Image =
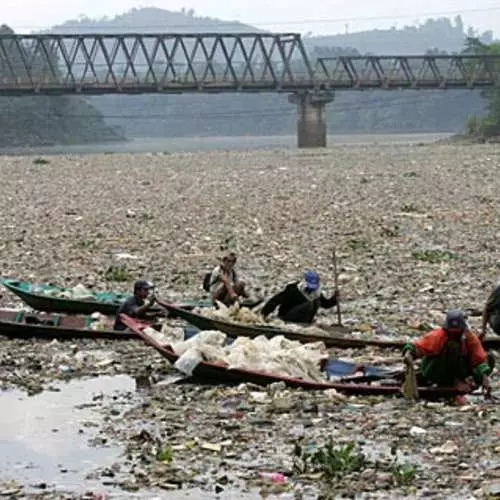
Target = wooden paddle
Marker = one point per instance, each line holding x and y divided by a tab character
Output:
410	386
336	279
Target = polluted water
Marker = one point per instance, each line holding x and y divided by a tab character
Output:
44	439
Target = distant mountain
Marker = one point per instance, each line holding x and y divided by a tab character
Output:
262	114
442	34
153	20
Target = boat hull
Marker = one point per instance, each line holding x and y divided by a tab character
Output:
335	336
209	371
26	325
106	303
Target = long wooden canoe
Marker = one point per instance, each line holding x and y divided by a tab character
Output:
218	372
40	298
335	336
25	325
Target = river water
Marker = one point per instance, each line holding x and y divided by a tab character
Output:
174	144
44	439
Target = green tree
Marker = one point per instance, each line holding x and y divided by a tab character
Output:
489	125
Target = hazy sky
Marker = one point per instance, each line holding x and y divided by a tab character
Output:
318	16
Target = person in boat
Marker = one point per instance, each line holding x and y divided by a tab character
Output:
452	356
136	305
224	283
299	301
491	312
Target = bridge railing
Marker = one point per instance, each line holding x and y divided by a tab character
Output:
415	72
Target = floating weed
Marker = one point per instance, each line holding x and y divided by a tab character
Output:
331	463
145	217
87	244
120	273
409	208
41	161
355	244
329	460
404	474
166	454
434	256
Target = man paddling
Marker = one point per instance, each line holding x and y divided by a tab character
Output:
224	283
299	301
135	306
452	356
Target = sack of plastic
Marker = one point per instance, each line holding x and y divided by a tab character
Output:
167	336
207	337
79	292
188	361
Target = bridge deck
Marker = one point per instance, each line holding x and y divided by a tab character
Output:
217	62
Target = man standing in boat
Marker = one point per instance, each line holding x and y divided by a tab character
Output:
452	356
224	283
136	306
299	301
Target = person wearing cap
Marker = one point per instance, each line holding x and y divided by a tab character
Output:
224	283
491	313
135	306
452	356
299	301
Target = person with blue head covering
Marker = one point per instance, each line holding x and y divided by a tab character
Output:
299	301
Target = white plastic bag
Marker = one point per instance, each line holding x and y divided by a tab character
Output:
188	361
79	292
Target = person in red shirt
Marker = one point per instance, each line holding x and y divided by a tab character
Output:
452	356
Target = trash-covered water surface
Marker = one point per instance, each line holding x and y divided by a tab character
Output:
415	232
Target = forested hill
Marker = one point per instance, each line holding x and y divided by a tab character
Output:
41	120
153	20
440	34
270	114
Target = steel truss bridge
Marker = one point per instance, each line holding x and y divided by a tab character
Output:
93	64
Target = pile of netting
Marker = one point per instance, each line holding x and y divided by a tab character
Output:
277	355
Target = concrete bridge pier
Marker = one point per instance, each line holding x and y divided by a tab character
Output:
311	118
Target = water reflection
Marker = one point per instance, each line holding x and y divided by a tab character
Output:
44	438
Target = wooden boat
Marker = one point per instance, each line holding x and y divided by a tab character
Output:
334	336
107	303
218	372
24	325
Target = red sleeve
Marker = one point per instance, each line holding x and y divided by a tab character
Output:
431	344
475	350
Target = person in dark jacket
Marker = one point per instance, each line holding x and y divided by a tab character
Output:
135	306
491	313
299	301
